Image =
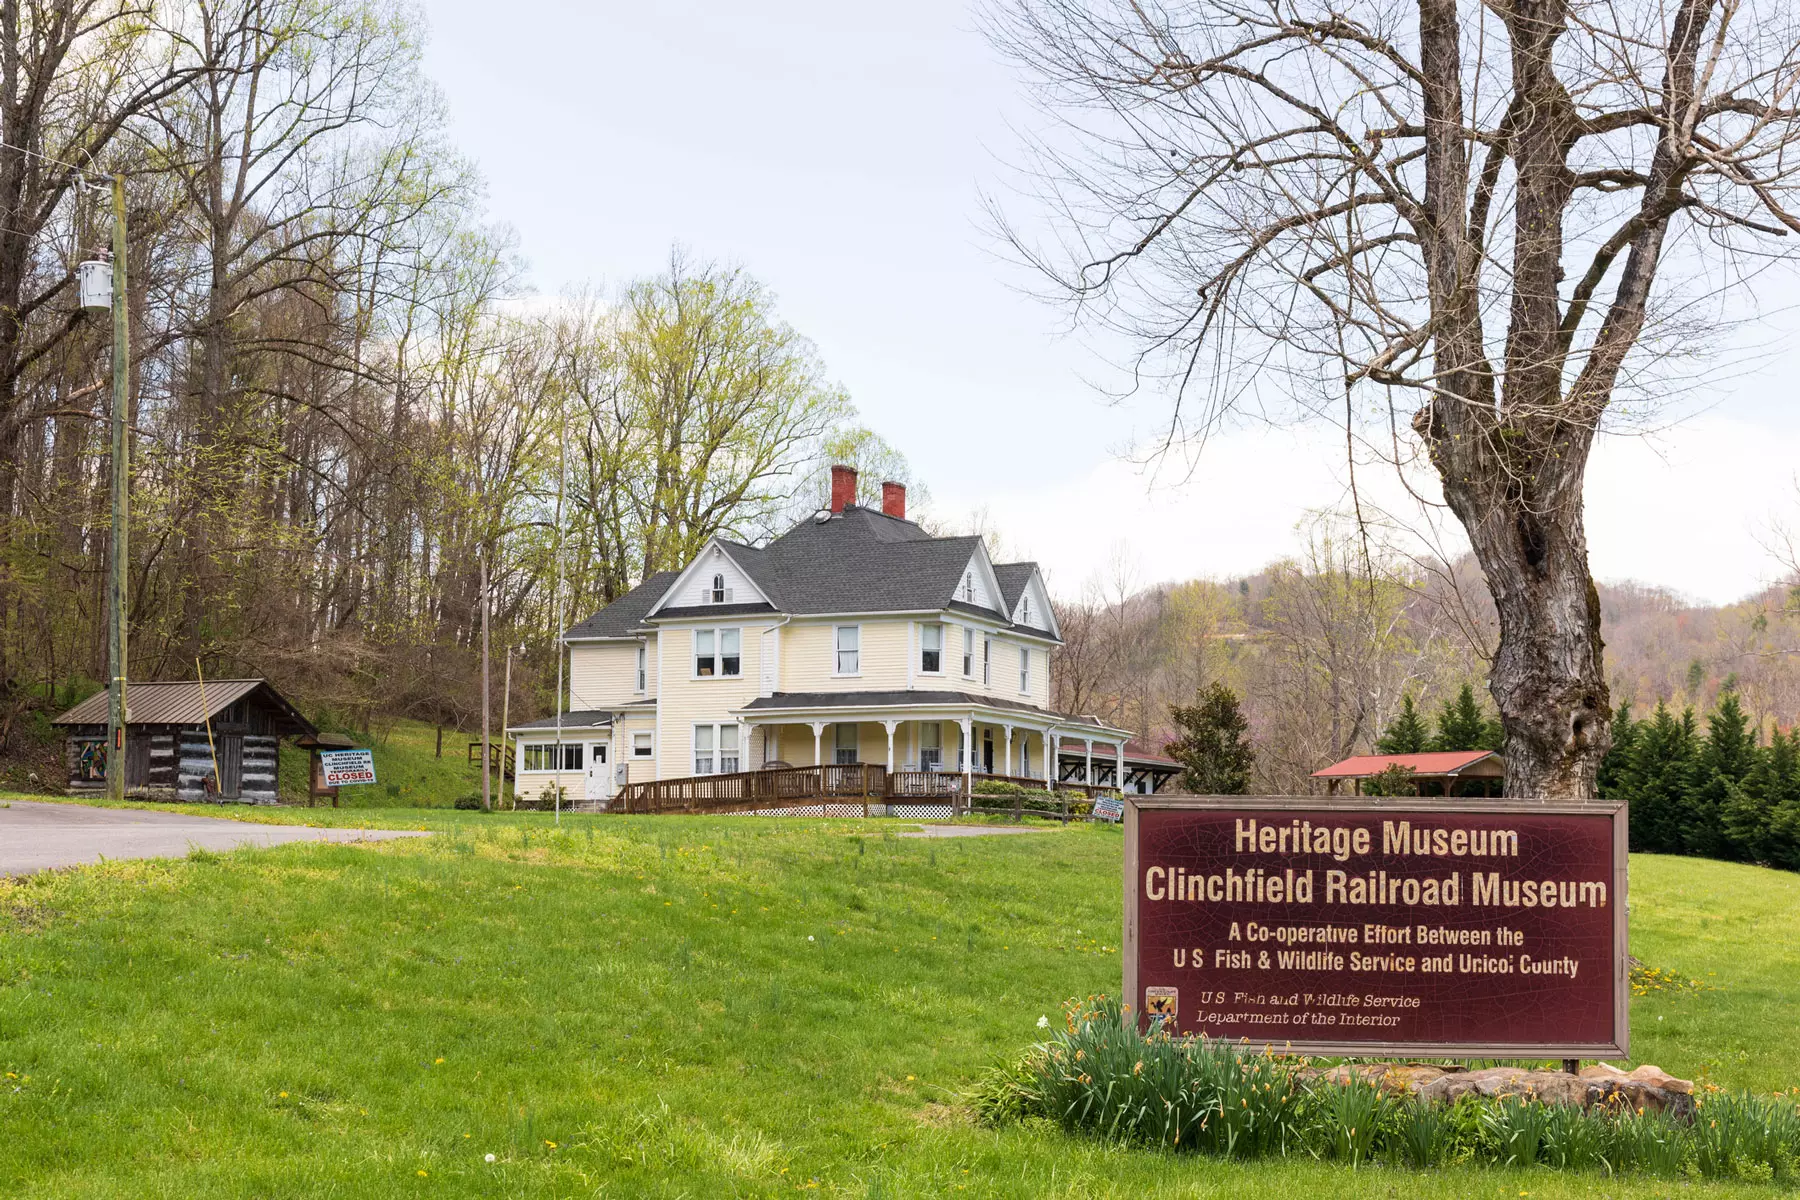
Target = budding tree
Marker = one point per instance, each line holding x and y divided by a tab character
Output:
1455	214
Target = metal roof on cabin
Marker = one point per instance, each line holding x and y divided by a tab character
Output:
1437	762
858	561
180	704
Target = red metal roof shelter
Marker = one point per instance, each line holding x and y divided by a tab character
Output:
1440	773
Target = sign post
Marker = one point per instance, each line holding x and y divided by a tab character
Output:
1494	929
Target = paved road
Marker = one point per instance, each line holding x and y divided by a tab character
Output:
36	837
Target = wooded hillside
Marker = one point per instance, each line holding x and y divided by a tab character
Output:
346	411
1325	647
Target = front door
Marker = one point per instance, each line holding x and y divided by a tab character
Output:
599	774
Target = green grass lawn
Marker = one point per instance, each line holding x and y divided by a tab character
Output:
672	1007
407	769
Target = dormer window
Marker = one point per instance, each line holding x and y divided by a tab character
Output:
967	591
718	593
1025	611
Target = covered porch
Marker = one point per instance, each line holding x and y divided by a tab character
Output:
877	752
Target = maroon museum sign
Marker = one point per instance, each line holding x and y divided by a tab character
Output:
1489	929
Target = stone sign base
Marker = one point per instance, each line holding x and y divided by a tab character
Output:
1648	1088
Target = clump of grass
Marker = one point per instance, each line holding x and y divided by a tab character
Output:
1099	1075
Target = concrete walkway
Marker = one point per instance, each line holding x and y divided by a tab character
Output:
39	837
957	831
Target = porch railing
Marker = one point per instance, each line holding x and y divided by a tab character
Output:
747	791
853	783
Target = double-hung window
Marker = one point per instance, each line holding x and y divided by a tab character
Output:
716	749
987	661
843	744
643	745
718	652
643	673
968	652
931	745
1024	668
849	650
542	756
931	649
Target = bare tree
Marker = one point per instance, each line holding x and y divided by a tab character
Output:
1461	209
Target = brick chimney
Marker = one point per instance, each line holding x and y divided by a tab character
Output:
893	499
843	487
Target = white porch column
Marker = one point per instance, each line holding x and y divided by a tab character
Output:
1052	754
1007	769
968	741
890	726
818	728
1088	770
1119	752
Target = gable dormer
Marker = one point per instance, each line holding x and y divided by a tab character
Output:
715	577
978	584
1033	610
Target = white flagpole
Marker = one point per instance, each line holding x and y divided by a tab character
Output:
562	472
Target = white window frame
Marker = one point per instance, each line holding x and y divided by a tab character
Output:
837	743
987	661
936	760
529	751
643	669
838	652
645	739
718	655
1024	670
720	759
968	651
925	628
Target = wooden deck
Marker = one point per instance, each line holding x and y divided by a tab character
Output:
852	785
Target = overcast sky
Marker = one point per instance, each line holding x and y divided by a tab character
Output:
839	152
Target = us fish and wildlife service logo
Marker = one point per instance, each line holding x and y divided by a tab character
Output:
1161	1002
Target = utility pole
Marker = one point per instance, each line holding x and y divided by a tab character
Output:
487	803
121	499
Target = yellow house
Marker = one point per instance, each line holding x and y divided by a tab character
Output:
854	638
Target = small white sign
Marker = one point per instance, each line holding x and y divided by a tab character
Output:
1109	808
347	766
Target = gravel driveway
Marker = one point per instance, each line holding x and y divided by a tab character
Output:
37	837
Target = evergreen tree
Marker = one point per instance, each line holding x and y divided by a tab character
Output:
1213	747
1725	760
1783	757
1462	725
1657	777
1748	811
1614	765
1762	813
1407	734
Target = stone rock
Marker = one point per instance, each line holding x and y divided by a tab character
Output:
1551	1087
1648	1075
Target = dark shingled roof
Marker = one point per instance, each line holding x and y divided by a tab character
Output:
860	560
626	613
888	699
